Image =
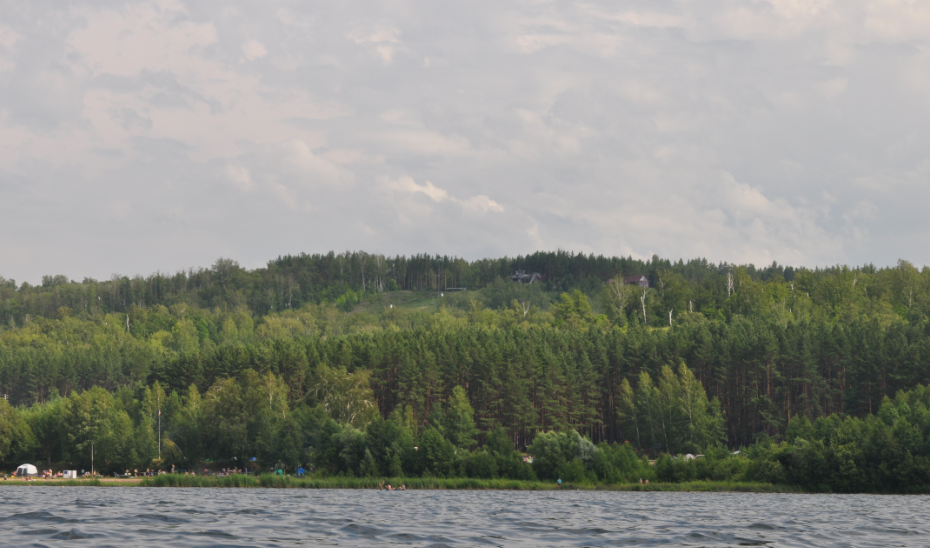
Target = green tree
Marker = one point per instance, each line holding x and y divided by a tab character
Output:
627	412
347	397
46	423
573	310
16	437
185	426
437	453
619	298
552	451
459	423
95	423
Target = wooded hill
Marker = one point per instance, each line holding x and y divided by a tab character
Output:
290	282
768	344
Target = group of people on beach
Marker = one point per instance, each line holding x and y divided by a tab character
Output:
46	474
51	474
388	487
229	471
148	472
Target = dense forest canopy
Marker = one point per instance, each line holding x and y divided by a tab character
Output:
707	355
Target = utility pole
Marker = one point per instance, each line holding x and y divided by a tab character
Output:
91	460
159	434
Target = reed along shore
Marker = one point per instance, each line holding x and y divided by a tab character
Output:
286	482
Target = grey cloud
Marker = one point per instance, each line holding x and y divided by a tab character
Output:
737	131
108	152
130	119
116	83
158	88
161	149
171	93
42	92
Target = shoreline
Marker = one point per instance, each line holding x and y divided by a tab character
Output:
279	482
423	484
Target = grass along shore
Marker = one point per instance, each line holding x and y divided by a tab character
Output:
175	480
285	482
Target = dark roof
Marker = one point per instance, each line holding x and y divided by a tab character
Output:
633	279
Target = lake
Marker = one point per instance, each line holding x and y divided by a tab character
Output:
127	516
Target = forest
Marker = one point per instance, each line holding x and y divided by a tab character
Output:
360	364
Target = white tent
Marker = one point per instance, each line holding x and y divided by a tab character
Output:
25	470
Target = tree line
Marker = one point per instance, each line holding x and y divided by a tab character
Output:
290	282
526	369
335	429
249	422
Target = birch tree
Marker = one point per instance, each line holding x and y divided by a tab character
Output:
617	296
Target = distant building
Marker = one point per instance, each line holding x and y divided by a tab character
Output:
524	277
639	280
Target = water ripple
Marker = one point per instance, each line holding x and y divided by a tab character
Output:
94	516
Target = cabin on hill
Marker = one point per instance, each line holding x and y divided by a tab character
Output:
639	280
524	277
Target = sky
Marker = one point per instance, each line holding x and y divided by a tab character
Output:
149	136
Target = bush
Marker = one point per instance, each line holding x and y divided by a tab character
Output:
481	465
551	451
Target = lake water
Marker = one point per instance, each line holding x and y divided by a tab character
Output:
111	516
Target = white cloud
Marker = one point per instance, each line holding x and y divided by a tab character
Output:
480	203
761	130
483	204
290	171
253	49
382	38
8	39
407	184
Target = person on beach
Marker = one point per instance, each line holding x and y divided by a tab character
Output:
381	485
559	483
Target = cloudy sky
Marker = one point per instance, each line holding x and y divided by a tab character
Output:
142	136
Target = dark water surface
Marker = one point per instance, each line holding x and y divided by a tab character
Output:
113	516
